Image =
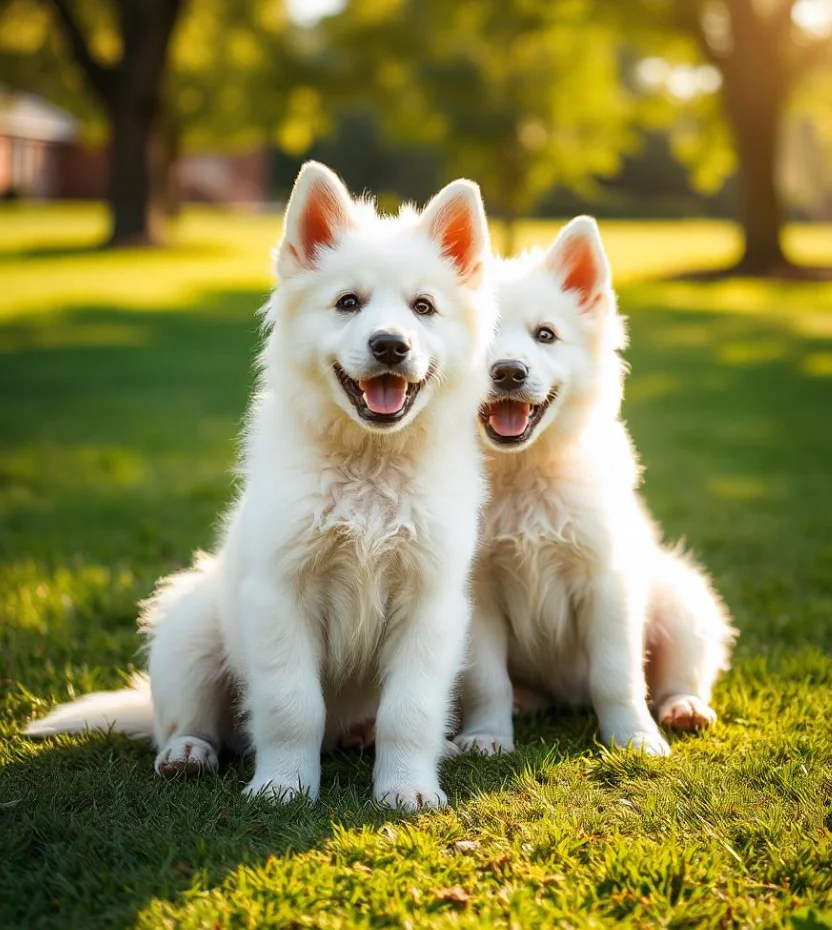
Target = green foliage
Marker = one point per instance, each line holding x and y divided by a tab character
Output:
811	116
238	79
520	96
699	135
699	33
238	75
34	58
127	375
525	97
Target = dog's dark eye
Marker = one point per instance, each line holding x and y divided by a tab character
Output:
545	334
423	306
348	302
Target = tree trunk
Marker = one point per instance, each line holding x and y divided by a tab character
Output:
760	64
165	197
757	75
756	123
130	91
129	188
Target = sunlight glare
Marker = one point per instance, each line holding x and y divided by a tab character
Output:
308	12
814	17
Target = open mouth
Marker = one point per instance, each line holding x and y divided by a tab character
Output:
512	422
385	398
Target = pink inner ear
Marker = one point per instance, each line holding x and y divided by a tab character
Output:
321	216
455	230
581	268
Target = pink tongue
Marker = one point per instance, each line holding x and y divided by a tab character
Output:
384	394
509	417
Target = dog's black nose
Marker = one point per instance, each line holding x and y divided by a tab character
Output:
389	348
509	373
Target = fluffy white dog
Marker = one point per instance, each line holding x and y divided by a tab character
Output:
573	591
339	589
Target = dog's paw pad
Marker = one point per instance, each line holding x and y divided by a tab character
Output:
412	799
484	743
686	712
186	755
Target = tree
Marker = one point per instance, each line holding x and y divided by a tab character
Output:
236	81
763	54
34	58
129	91
232	77
520	96
120	50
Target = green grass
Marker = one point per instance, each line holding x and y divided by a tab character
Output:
123	378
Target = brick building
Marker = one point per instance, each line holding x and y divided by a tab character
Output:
41	157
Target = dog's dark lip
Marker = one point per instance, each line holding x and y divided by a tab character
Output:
535	416
353	390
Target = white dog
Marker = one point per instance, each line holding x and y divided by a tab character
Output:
339	589
573	590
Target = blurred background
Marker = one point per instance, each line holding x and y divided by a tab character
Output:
148	146
621	108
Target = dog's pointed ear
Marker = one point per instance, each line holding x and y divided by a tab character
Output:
318	212
579	263
455	220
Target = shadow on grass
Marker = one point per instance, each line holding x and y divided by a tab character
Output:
91	835
115	456
91	823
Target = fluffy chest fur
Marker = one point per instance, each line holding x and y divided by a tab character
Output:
537	553
551	528
368	504
358	556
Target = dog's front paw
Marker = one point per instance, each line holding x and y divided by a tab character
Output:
186	755
411	799
686	712
485	743
278	791
650	742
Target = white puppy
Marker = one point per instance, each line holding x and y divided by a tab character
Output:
573	590
339	588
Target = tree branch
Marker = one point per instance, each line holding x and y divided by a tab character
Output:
97	74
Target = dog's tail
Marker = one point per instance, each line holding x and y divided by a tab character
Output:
689	632
128	711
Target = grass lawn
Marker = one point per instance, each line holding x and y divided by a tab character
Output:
123	378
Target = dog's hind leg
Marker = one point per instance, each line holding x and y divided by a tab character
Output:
689	639
187	672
